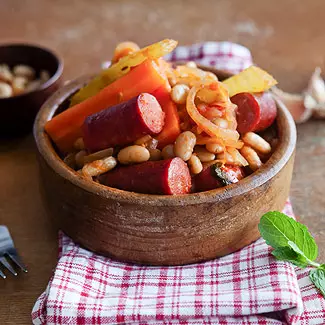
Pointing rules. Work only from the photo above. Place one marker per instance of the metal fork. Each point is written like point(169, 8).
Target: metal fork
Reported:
point(8, 254)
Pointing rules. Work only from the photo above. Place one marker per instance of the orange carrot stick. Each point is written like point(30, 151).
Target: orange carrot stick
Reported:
point(171, 128)
point(65, 128)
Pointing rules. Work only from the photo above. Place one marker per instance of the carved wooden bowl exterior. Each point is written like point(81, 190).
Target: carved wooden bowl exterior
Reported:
point(157, 229)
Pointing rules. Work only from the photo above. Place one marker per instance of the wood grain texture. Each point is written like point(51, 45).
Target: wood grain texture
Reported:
point(286, 39)
point(160, 229)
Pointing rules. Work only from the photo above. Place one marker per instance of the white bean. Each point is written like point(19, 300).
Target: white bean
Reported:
point(172, 81)
point(25, 71)
point(191, 64)
point(226, 157)
point(195, 164)
point(19, 84)
point(80, 158)
point(204, 155)
point(5, 90)
point(143, 140)
point(168, 151)
point(133, 155)
point(98, 155)
point(252, 157)
point(184, 145)
point(215, 147)
point(179, 93)
point(155, 154)
point(256, 142)
point(221, 122)
point(44, 76)
point(5, 73)
point(99, 167)
point(147, 141)
point(33, 85)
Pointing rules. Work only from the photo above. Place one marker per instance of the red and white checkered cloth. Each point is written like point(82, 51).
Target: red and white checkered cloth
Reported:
point(247, 287)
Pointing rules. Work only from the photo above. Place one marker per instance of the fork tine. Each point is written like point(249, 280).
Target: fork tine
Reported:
point(2, 275)
point(17, 261)
point(5, 263)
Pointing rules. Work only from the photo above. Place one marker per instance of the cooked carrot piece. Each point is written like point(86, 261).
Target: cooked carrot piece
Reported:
point(65, 128)
point(123, 67)
point(171, 128)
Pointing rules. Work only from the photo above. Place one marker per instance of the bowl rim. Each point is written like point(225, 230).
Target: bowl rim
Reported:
point(285, 149)
point(53, 79)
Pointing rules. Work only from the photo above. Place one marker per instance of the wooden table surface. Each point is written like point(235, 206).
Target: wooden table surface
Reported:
point(286, 39)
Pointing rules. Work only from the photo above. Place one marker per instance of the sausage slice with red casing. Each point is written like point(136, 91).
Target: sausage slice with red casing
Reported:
point(124, 123)
point(216, 176)
point(170, 177)
point(255, 112)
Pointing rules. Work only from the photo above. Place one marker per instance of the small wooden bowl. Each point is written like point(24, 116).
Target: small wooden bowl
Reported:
point(158, 229)
point(18, 112)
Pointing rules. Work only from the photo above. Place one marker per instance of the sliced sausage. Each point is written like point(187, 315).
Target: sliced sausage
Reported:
point(124, 123)
point(208, 179)
point(255, 112)
point(268, 111)
point(170, 177)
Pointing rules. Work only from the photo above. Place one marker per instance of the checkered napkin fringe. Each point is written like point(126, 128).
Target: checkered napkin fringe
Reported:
point(247, 287)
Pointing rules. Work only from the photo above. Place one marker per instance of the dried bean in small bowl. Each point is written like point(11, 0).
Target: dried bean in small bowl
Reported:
point(19, 106)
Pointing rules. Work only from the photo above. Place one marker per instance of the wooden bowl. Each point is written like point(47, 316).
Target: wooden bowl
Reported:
point(159, 229)
point(18, 112)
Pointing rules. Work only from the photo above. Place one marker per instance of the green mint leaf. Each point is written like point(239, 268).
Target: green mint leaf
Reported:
point(302, 254)
point(279, 230)
point(292, 242)
point(317, 276)
point(289, 255)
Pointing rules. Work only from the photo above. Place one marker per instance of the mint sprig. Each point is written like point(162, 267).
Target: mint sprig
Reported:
point(292, 242)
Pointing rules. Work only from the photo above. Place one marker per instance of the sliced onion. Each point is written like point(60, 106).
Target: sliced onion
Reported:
point(192, 76)
point(238, 158)
point(230, 115)
point(207, 126)
point(185, 71)
point(214, 92)
point(202, 140)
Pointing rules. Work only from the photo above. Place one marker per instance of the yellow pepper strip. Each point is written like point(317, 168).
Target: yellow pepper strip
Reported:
point(122, 67)
point(252, 80)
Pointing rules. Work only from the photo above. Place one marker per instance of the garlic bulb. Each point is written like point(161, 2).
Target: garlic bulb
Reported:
point(316, 86)
point(319, 111)
point(295, 104)
point(310, 103)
